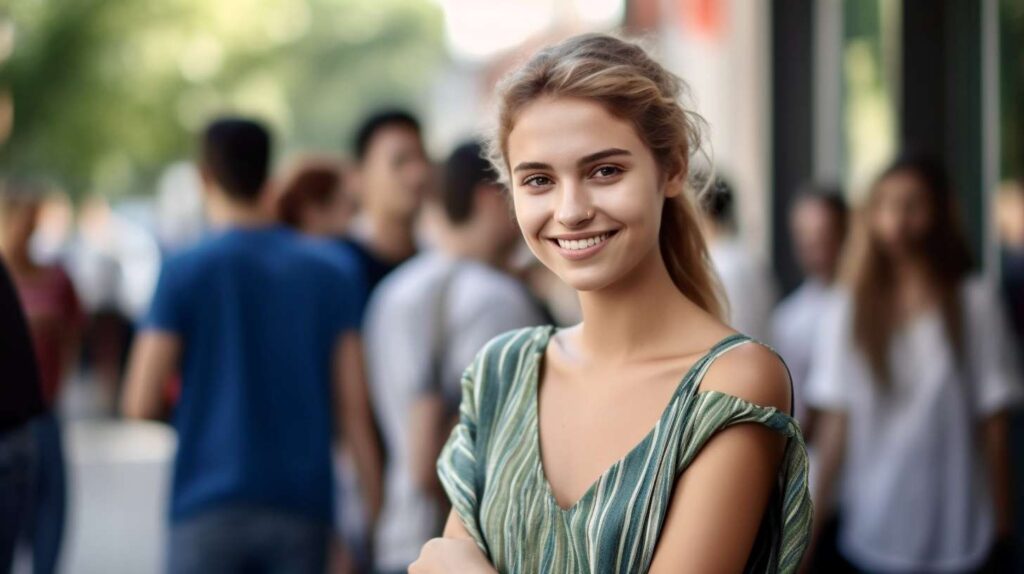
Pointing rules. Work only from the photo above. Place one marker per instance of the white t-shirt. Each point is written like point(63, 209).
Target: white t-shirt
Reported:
point(915, 492)
point(795, 325)
point(399, 329)
point(748, 286)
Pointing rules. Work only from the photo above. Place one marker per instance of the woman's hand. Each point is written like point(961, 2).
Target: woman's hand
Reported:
point(444, 555)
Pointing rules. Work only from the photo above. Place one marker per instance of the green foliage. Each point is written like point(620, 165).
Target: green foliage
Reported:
point(107, 92)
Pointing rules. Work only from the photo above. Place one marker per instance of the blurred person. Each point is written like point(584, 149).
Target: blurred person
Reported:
point(312, 199)
point(56, 224)
point(817, 226)
point(1009, 217)
point(114, 263)
point(577, 449)
point(262, 325)
point(50, 301)
point(913, 380)
point(21, 403)
point(391, 175)
point(424, 324)
point(748, 284)
point(55, 319)
point(179, 207)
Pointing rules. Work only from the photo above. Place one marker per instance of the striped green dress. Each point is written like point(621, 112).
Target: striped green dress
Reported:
point(491, 469)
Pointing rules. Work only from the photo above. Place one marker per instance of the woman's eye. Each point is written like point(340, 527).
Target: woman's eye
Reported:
point(537, 181)
point(607, 171)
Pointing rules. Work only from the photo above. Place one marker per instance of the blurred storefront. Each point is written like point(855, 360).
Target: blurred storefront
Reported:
point(829, 90)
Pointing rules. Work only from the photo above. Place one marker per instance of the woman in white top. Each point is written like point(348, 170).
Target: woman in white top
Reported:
point(914, 378)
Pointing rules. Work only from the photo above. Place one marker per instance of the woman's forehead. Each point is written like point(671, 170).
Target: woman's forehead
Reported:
point(563, 130)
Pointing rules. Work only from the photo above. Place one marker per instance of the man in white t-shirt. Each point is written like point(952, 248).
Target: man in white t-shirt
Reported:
point(817, 224)
point(424, 325)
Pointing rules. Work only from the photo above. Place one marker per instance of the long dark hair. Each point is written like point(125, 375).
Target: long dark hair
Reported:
point(870, 271)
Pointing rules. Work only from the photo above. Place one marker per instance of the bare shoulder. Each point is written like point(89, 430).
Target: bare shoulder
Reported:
point(753, 373)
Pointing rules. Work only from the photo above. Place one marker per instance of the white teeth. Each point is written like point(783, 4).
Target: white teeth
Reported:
point(578, 244)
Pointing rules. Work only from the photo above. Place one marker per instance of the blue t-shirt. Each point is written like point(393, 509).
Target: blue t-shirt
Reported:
point(258, 311)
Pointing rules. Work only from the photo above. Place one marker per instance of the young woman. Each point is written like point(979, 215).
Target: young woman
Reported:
point(651, 437)
point(913, 380)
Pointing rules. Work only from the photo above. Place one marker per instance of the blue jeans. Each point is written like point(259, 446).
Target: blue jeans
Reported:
point(44, 528)
point(32, 498)
point(17, 466)
point(247, 538)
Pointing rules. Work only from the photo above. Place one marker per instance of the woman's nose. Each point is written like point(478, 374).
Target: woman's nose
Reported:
point(575, 208)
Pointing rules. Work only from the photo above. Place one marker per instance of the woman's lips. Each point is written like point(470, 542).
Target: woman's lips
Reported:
point(583, 247)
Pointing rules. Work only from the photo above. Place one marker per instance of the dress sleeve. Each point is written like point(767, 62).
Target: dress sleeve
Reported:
point(457, 466)
point(791, 511)
point(996, 370)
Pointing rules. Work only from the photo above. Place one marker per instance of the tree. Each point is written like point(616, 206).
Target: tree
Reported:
point(107, 92)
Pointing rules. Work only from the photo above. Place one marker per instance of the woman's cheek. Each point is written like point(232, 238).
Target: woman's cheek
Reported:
point(530, 220)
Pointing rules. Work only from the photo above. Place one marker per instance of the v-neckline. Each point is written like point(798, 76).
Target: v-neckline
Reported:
point(538, 364)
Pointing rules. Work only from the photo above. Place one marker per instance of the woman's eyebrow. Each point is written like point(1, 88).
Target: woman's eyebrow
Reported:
point(603, 154)
point(531, 165)
point(591, 158)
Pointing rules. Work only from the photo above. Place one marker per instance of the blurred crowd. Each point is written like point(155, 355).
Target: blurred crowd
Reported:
point(305, 340)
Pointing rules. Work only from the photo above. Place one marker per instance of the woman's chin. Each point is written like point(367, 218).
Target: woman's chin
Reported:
point(588, 280)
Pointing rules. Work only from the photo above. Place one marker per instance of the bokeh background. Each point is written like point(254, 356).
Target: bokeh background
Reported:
point(103, 99)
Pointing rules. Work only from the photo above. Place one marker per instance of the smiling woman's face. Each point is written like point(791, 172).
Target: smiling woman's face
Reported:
point(588, 193)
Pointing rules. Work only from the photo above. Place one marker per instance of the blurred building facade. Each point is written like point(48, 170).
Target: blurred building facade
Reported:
point(829, 90)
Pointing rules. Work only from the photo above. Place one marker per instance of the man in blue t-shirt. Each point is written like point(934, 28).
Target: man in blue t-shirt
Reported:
point(261, 325)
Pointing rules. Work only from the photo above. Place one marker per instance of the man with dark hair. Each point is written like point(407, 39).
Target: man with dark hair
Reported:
point(817, 226)
point(262, 325)
point(423, 326)
point(390, 179)
point(236, 154)
point(376, 123)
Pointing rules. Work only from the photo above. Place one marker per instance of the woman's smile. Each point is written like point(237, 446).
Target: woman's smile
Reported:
point(579, 246)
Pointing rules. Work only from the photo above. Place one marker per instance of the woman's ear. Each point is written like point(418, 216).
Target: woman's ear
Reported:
point(675, 185)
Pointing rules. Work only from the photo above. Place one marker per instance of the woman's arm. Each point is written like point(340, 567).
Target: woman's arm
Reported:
point(456, 552)
point(453, 528)
point(719, 501)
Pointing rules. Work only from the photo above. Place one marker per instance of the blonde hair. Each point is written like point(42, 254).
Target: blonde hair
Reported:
point(630, 85)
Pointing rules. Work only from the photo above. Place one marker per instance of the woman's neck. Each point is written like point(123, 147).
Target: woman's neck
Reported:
point(916, 287)
point(640, 315)
point(911, 269)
